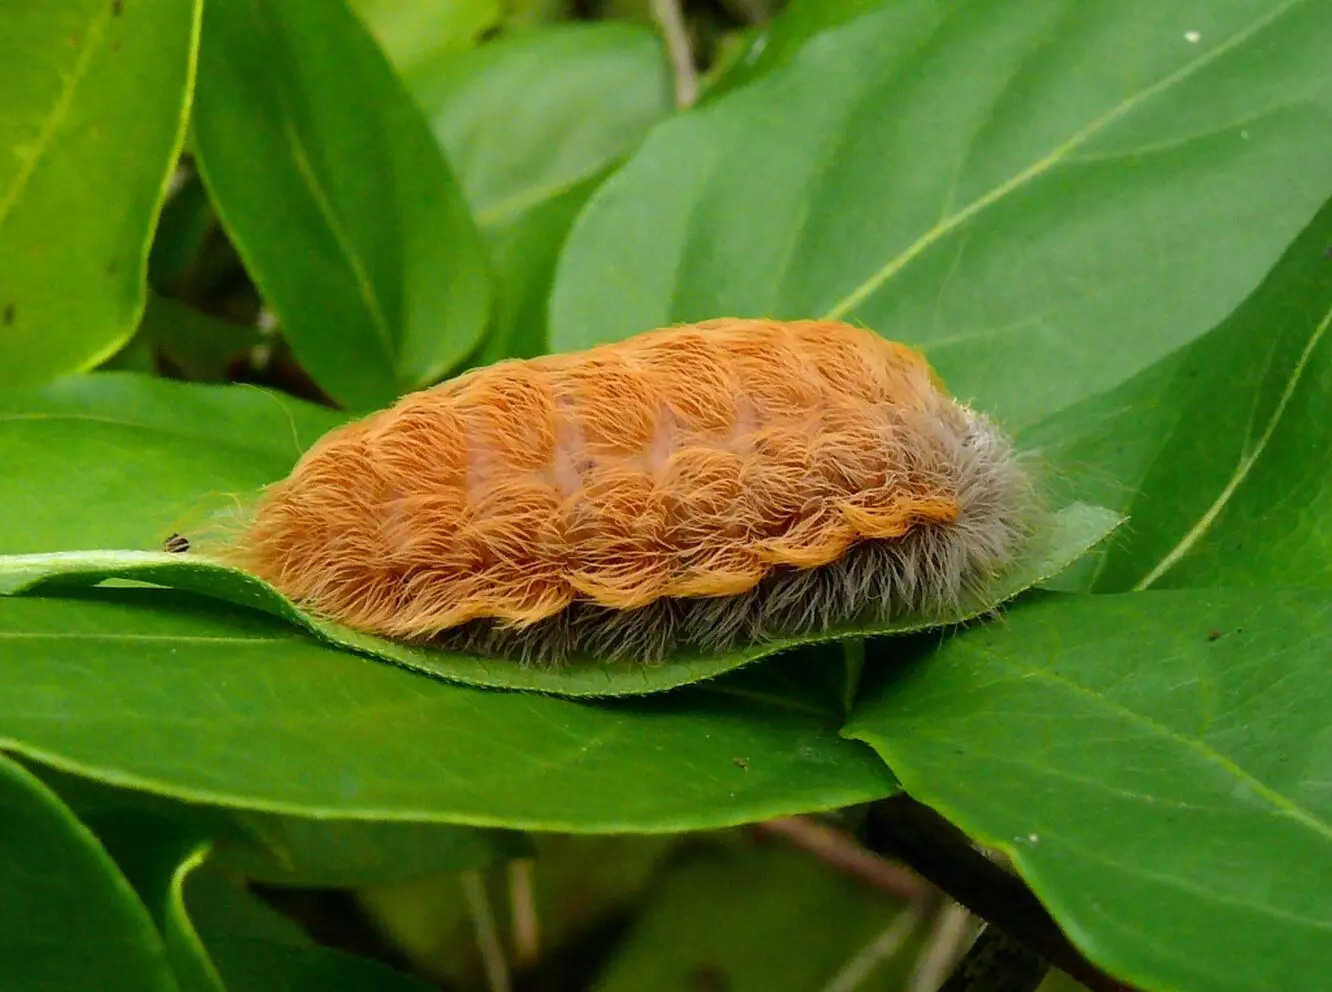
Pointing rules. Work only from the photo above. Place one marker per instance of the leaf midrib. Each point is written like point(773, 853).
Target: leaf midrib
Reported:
point(1242, 469)
point(59, 111)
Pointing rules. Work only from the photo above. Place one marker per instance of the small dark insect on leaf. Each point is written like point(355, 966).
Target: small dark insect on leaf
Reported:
point(740, 763)
point(1214, 635)
point(116, 7)
point(9, 314)
point(176, 544)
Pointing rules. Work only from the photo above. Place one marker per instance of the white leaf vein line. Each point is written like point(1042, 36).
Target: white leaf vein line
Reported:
point(59, 112)
point(1282, 802)
point(1245, 466)
point(1038, 168)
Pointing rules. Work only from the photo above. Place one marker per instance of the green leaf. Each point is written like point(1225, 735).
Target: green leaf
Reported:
point(60, 884)
point(328, 181)
point(531, 123)
point(163, 692)
point(92, 116)
point(157, 855)
point(529, 117)
point(778, 42)
point(1066, 537)
point(993, 181)
point(1222, 452)
point(416, 34)
point(324, 853)
point(1156, 764)
point(725, 915)
point(259, 951)
point(122, 460)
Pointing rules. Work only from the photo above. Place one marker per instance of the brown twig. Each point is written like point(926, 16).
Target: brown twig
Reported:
point(522, 910)
point(670, 19)
point(842, 851)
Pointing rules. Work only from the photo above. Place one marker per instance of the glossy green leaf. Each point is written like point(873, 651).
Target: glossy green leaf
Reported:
point(994, 181)
point(328, 181)
point(1065, 538)
point(1222, 452)
point(257, 950)
point(164, 692)
point(531, 122)
point(1157, 766)
point(122, 460)
point(92, 115)
point(59, 882)
point(725, 917)
point(417, 34)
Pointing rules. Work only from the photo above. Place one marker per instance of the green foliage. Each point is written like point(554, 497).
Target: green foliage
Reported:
point(1107, 223)
point(92, 114)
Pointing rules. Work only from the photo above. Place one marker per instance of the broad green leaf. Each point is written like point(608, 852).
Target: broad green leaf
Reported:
point(416, 34)
point(257, 950)
point(994, 181)
point(157, 854)
point(122, 460)
point(164, 692)
point(68, 919)
point(1156, 764)
point(1221, 452)
point(327, 179)
point(531, 123)
point(92, 116)
point(1066, 537)
point(725, 917)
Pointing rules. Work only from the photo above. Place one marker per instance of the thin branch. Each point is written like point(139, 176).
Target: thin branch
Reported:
point(523, 916)
point(670, 19)
point(904, 828)
point(951, 932)
point(880, 949)
point(487, 933)
point(842, 851)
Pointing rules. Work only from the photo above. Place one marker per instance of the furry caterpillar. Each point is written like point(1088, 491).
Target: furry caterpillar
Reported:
point(699, 486)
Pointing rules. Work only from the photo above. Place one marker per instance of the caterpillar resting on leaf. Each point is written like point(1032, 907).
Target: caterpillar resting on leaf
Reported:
point(699, 486)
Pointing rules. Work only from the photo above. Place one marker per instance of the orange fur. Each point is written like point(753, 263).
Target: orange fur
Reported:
point(684, 462)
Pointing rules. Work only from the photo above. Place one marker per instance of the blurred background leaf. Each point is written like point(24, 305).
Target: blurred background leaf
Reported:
point(58, 881)
point(757, 918)
point(346, 213)
point(92, 115)
point(531, 123)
